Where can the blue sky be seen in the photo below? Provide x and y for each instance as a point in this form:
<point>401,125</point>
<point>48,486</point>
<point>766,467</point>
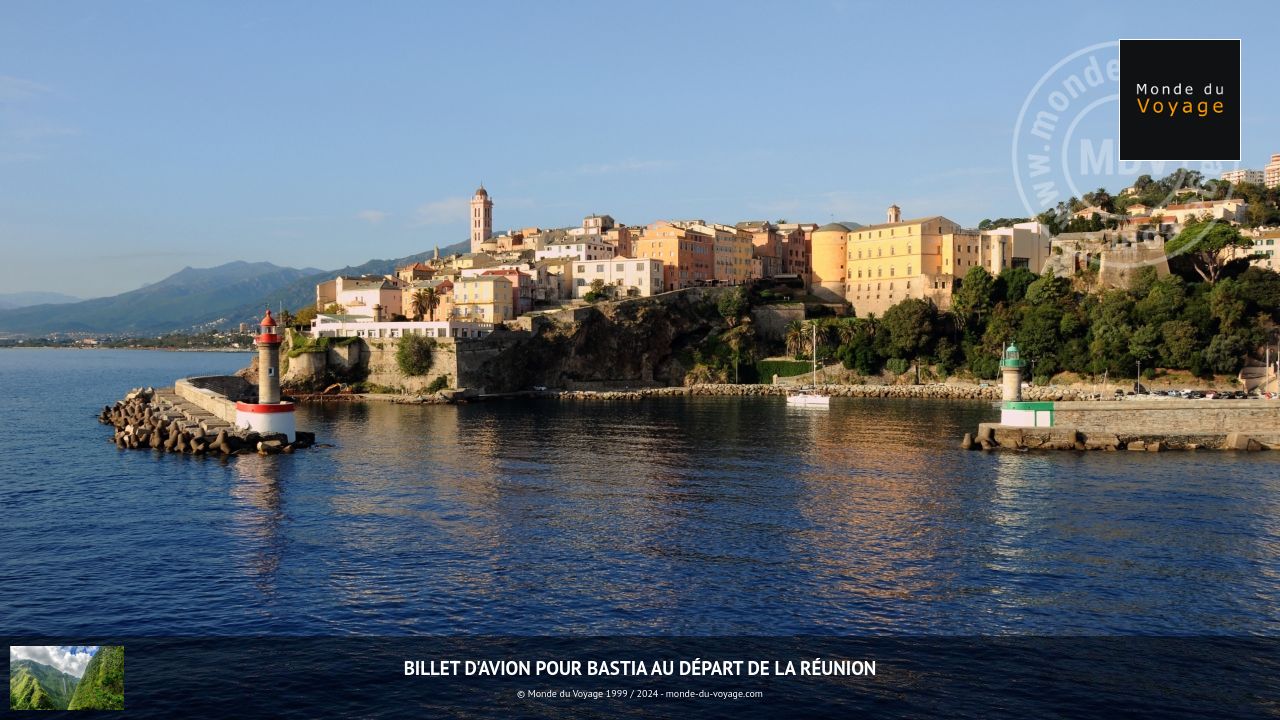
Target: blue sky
<point>140,137</point>
<point>70,659</point>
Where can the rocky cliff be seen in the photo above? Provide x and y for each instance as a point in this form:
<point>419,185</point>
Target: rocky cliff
<point>645,341</point>
<point>635,342</point>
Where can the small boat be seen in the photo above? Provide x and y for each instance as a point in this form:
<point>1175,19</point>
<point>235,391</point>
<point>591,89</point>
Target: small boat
<point>809,396</point>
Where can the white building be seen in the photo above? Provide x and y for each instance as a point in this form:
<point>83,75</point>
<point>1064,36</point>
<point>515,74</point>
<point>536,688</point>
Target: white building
<point>625,277</point>
<point>579,247</point>
<point>1235,177</point>
<point>353,326</point>
<point>361,295</point>
<point>1025,245</point>
<point>1271,174</point>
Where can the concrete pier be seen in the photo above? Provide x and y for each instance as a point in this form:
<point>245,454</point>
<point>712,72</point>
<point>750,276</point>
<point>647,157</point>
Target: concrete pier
<point>1148,425</point>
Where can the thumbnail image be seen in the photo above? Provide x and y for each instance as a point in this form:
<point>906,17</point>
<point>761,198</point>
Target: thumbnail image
<point>66,677</point>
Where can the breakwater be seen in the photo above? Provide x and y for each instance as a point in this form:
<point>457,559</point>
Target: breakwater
<point>162,419</point>
<point>1138,425</point>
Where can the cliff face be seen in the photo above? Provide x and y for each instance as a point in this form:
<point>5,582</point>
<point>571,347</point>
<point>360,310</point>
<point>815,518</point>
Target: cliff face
<point>636,342</point>
<point>646,341</point>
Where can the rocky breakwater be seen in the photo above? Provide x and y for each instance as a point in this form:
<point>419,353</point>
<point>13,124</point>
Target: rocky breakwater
<point>992,436</point>
<point>147,418</point>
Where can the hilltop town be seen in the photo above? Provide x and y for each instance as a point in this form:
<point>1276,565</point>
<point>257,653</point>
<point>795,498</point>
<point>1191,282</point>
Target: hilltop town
<point>862,277</point>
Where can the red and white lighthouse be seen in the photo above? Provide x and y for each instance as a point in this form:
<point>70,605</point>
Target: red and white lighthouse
<point>269,414</point>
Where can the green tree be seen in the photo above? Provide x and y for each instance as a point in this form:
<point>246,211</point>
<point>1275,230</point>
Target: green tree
<point>597,292</point>
<point>414,354</point>
<point>1179,344</point>
<point>1210,245</point>
<point>976,296</point>
<point>304,316</point>
<point>1014,283</point>
<point>909,326</point>
<point>733,305</point>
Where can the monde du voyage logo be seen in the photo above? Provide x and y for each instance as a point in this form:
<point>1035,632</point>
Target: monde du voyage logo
<point>1180,99</point>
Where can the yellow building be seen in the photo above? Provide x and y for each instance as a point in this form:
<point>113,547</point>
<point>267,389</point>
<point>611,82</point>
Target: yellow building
<point>922,258</point>
<point>483,298</point>
<point>902,259</point>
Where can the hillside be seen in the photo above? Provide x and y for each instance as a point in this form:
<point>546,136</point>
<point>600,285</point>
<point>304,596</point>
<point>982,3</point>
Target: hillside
<point>302,292</point>
<point>192,299</point>
<point>102,687</point>
<point>9,301</point>
<point>35,686</point>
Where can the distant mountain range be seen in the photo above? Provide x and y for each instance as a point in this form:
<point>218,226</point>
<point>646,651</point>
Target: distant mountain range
<point>194,299</point>
<point>8,301</point>
<point>36,686</point>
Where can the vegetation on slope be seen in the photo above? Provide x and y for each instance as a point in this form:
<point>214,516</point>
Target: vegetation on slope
<point>102,687</point>
<point>36,686</point>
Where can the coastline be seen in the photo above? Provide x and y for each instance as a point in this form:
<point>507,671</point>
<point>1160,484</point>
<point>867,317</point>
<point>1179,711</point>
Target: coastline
<point>937,391</point>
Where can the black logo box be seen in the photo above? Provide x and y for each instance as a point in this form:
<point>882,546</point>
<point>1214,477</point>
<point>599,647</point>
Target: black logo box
<point>1187,68</point>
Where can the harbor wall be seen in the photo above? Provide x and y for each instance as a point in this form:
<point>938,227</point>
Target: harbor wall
<point>215,394</point>
<point>1150,425</point>
<point>1169,416</point>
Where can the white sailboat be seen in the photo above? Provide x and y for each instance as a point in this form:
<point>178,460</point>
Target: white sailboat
<point>809,396</point>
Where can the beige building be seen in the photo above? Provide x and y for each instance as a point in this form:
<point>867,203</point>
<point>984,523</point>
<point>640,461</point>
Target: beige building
<point>1235,177</point>
<point>483,298</point>
<point>1265,244</point>
<point>624,276</point>
<point>1231,210</point>
<point>1271,173</point>
<point>443,288</point>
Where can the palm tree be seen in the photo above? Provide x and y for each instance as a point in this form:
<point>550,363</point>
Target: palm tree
<point>425,302</point>
<point>796,339</point>
<point>419,305</point>
<point>433,302</point>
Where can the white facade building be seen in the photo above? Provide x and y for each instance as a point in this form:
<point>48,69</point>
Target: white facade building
<point>346,326</point>
<point>627,277</point>
<point>581,247</point>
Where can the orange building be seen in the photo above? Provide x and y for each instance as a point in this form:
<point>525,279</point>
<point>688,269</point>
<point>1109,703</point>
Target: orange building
<point>688,257</point>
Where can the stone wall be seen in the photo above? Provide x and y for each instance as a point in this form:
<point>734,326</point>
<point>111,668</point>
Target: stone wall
<point>1171,417</point>
<point>379,356</point>
<point>215,394</point>
<point>771,321</point>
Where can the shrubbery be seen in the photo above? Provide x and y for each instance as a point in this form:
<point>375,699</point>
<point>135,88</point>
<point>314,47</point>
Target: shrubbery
<point>413,356</point>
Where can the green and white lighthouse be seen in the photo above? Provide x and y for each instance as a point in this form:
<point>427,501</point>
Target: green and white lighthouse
<point>1013,411</point>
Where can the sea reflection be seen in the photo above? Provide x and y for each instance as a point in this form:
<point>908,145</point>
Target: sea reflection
<point>716,515</point>
<point>255,486</point>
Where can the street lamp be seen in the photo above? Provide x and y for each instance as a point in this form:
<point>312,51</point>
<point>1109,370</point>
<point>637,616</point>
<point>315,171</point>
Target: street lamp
<point>1137,383</point>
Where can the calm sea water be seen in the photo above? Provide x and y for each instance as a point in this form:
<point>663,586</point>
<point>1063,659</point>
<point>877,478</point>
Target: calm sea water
<point>671,516</point>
